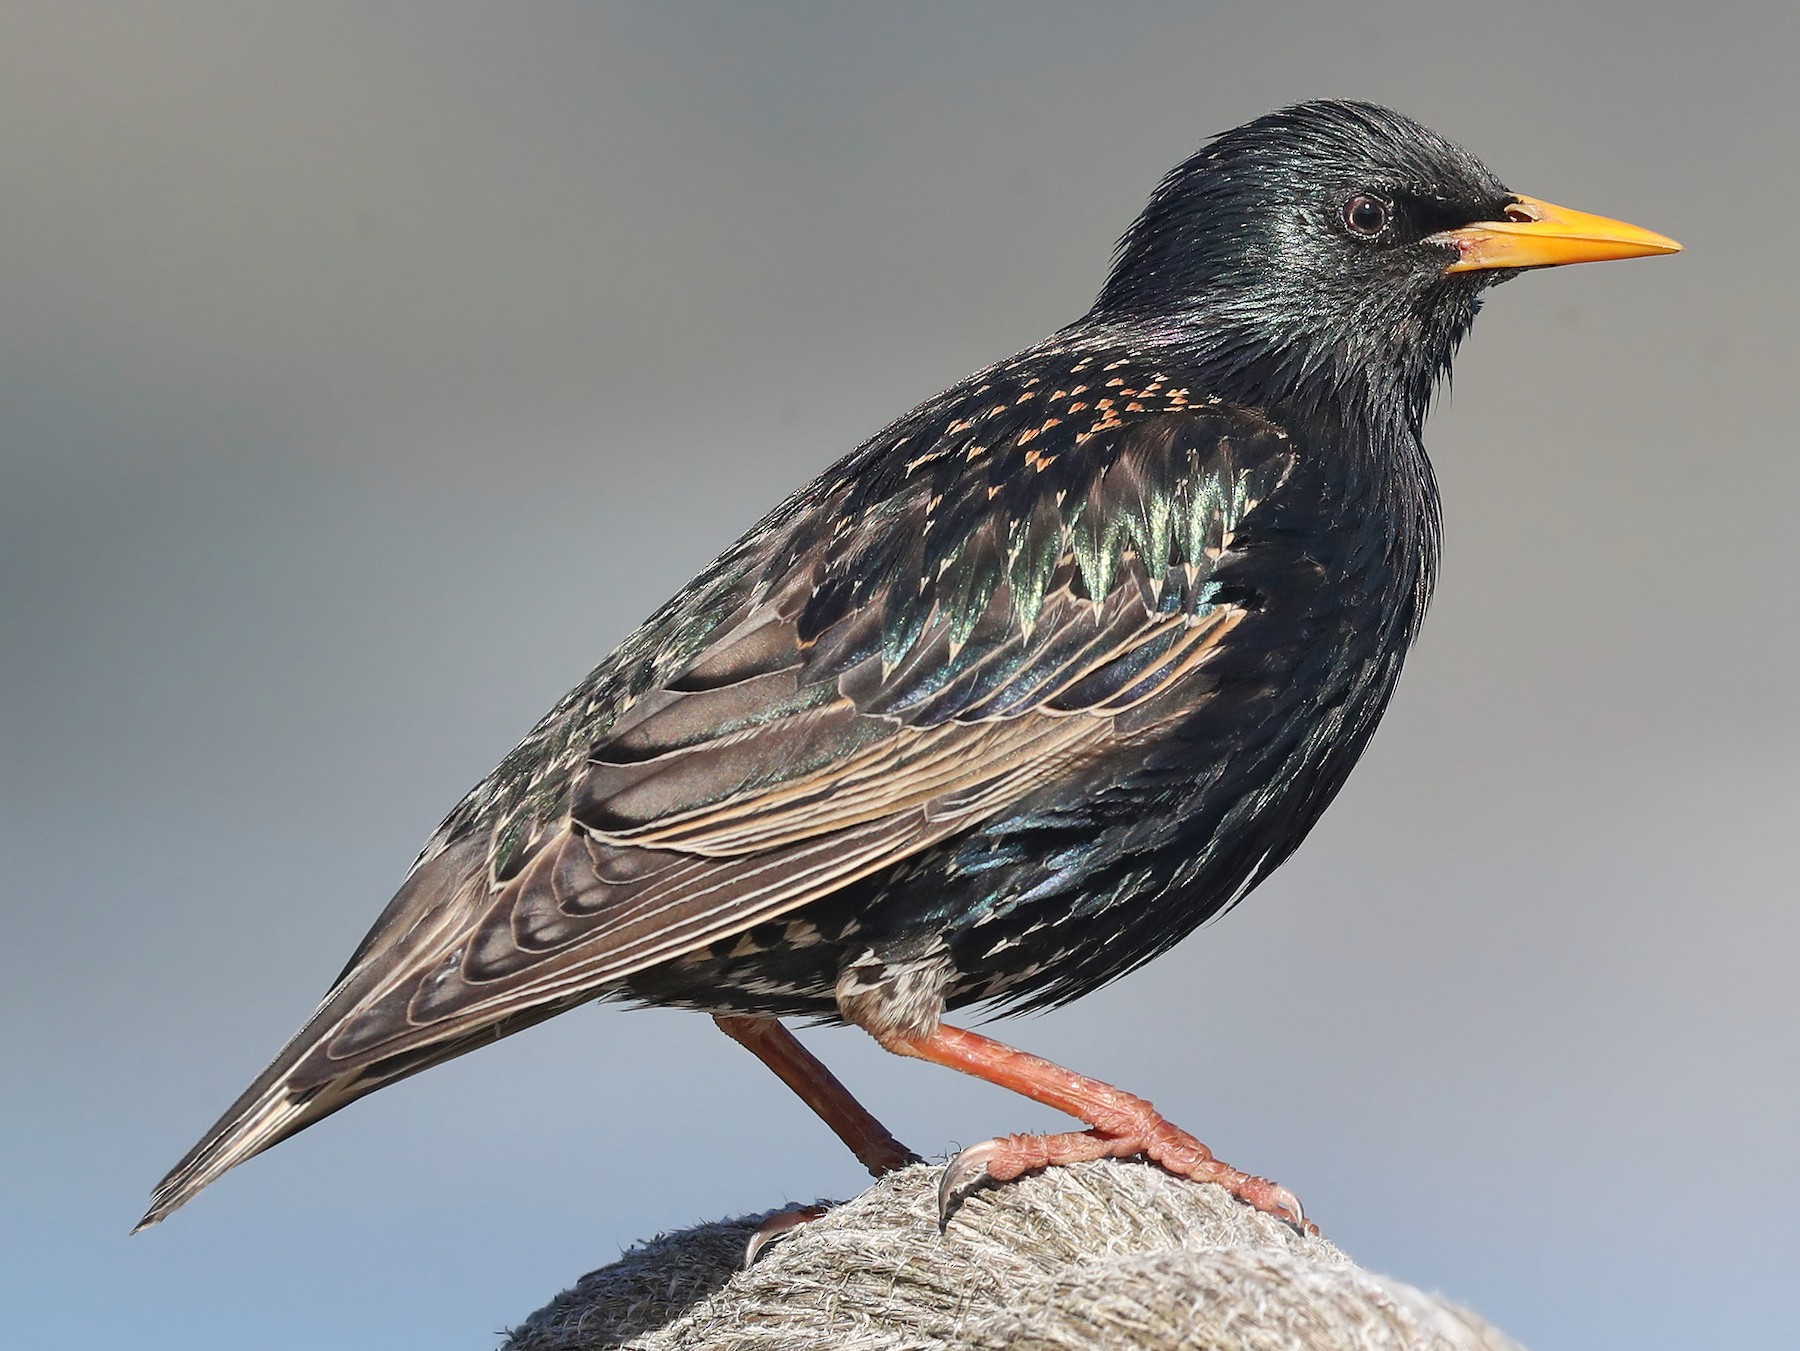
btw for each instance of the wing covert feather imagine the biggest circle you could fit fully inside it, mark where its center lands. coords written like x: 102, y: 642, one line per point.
x: 937, y: 655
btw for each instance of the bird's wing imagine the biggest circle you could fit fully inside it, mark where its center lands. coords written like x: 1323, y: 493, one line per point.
x: 913, y: 645
x: 850, y: 716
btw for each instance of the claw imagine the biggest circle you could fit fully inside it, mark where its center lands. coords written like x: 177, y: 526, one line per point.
x: 776, y: 1227
x: 962, y: 1175
x: 1291, y: 1204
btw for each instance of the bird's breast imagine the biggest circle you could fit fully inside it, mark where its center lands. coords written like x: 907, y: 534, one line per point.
x: 1093, y: 879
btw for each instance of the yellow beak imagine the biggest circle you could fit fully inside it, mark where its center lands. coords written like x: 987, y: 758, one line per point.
x: 1537, y: 234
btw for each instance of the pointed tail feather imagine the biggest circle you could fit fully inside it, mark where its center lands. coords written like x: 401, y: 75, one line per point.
x: 265, y: 1115
x: 291, y: 1094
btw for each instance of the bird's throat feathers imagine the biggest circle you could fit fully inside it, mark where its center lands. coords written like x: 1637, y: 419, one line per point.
x: 1365, y: 381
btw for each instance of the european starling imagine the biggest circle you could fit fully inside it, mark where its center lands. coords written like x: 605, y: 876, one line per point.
x: 1008, y: 700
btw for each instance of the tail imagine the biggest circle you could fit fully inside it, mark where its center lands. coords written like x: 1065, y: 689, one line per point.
x: 266, y: 1114
x: 293, y: 1092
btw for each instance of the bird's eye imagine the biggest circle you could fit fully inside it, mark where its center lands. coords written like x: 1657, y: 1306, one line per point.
x: 1366, y: 216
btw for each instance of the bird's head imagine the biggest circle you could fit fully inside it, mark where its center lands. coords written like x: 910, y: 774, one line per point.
x: 1333, y: 254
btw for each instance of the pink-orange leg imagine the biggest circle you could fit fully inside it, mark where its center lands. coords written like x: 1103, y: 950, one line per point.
x: 819, y: 1089
x: 1122, y: 1125
x: 875, y: 1148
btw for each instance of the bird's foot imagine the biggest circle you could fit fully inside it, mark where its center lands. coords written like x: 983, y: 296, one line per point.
x: 778, y: 1226
x: 1120, y: 1125
x: 1155, y: 1138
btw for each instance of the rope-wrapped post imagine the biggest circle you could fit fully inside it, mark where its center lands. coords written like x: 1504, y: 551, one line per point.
x: 1097, y: 1255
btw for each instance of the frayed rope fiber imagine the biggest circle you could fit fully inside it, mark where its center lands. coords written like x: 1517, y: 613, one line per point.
x: 1097, y: 1255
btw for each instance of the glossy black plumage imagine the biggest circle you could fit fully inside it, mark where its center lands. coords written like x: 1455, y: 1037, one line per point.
x: 1011, y: 698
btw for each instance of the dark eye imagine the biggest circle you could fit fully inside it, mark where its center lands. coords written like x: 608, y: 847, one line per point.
x: 1366, y: 216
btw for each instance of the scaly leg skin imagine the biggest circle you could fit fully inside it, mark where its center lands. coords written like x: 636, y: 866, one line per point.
x: 875, y: 1148
x: 1122, y: 1126
x: 819, y: 1089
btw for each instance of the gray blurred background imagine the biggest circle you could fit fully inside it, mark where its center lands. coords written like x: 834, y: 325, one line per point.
x: 367, y: 371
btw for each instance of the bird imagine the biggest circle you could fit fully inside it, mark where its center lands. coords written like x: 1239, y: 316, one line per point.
x: 1008, y: 700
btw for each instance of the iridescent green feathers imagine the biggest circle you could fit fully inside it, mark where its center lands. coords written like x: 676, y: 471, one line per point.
x: 962, y: 522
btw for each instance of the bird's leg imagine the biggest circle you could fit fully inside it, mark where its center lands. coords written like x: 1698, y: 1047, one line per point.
x: 1122, y: 1125
x: 819, y: 1089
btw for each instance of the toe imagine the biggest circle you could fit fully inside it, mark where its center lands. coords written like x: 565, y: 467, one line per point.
x: 1274, y: 1199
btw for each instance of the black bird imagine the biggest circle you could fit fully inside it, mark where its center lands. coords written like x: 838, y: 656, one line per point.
x: 1008, y: 700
